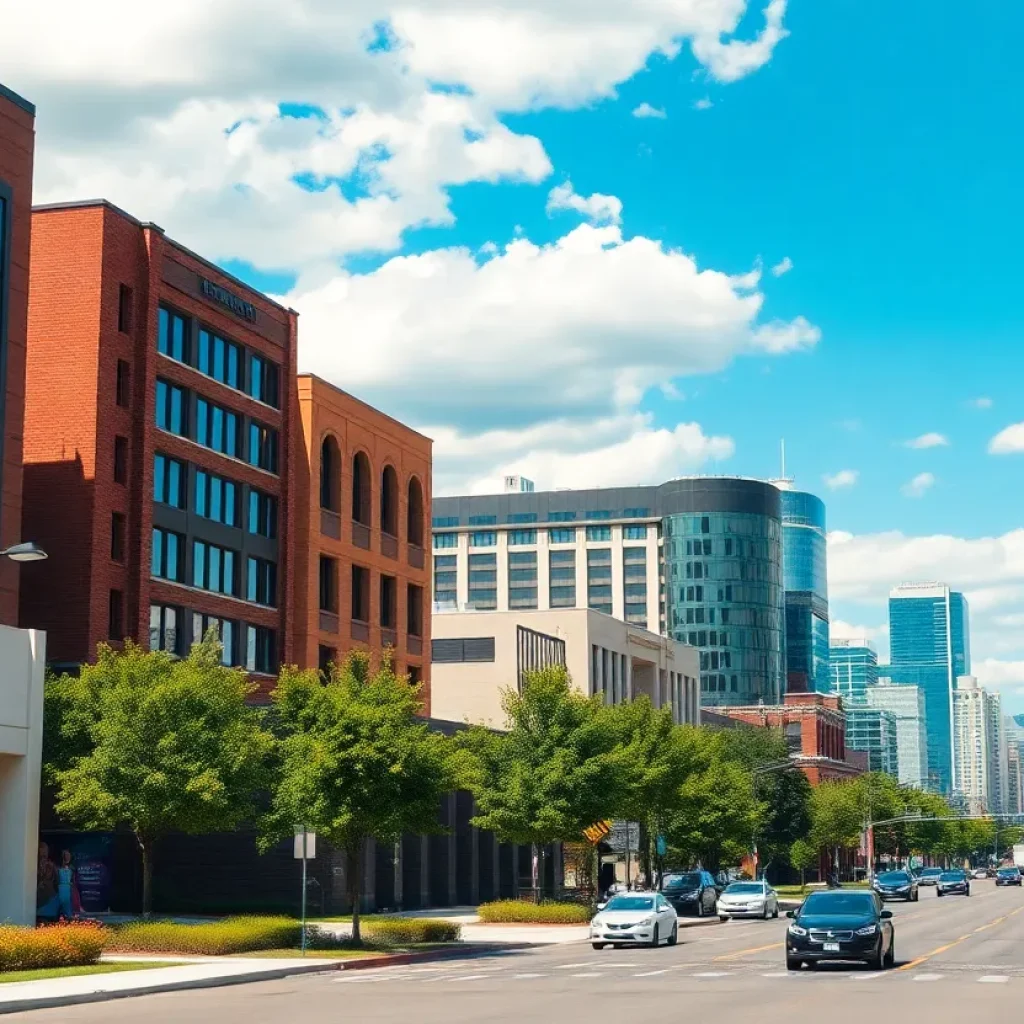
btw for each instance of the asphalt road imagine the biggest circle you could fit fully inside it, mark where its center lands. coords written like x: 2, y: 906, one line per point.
x: 957, y: 958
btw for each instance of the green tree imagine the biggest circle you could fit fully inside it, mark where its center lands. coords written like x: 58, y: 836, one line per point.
x: 157, y: 744
x: 837, y: 816
x: 558, y: 768
x: 803, y: 854
x: 356, y: 762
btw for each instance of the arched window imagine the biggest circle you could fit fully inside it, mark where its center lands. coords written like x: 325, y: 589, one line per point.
x: 330, y: 475
x: 361, y: 503
x: 414, y: 514
x: 389, y: 501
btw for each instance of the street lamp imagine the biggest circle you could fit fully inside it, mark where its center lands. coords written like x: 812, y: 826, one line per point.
x: 27, y: 551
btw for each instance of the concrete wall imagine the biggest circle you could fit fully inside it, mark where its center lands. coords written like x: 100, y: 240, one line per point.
x: 22, y: 659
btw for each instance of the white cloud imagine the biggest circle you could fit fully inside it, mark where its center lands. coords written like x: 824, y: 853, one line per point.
x: 704, y: 103
x: 918, y: 486
x: 731, y: 60
x: 784, y: 266
x: 596, y: 208
x: 983, y: 402
x: 1009, y: 441
x: 930, y: 440
x: 844, y: 478
x: 995, y: 674
x: 646, y: 110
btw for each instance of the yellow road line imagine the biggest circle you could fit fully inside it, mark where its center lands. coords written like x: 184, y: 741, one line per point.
x: 747, y: 952
x: 956, y: 942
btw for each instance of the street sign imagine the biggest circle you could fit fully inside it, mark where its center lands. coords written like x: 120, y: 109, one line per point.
x: 661, y: 846
x: 309, y: 853
x: 625, y: 835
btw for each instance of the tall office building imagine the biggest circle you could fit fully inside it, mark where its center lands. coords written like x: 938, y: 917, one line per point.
x: 874, y: 732
x: 1014, y: 800
x: 853, y: 669
x: 906, y: 704
x: 977, y: 744
x: 697, y: 559
x: 930, y: 647
x: 805, y: 581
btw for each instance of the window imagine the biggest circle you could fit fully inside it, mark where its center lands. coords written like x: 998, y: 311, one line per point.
x: 125, y: 309
x: 225, y: 631
x: 457, y: 651
x: 563, y: 558
x: 215, y: 568
x: 446, y: 540
x: 261, y: 649
x: 264, y: 381
x: 216, y: 498
x: 561, y: 517
x: 172, y: 408
x: 218, y: 429
x: 522, y: 517
x: 361, y: 501
x: 414, y: 513
x: 563, y: 596
x: 414, y: 610
x: 124, y: 383
x: 634, y: 533
x: 602, y: 514
x: 115, y: 615
x: 219, y: 359
x: 636, y: 513
x: 167, y: 555
x: 168, y: 481
x: 328, y: 584
x: 518, y: 537
x: 388, y: 602
x: 326, y: 657
x: 389, y: 501
x: 444, y: 521
x: 262, y: 514
x: 261, y: 582
x: 483, y: 520
x: 330, y: 474
x: 117, y: 536
x: 172, y: 335
x: 120, y: 460
x: 562, y: 536
x: 483, y: 599
x: 360, y: 593
x: 522, y: 558
x: 483, y: 539
x: 163, y: 628
x: 446, y: 561
x: 599, y: 533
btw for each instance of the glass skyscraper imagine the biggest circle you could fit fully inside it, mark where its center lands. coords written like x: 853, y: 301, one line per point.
x: 907, y: 705
x: 873, y: 731
x: 929, y: 640
x: 805, y: 580
x: 853, y: 667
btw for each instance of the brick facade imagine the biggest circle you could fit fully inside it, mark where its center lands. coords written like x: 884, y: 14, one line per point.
x: 17, y: 143
x: 389, y: 544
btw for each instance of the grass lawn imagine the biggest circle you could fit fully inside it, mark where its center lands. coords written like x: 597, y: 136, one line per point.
x: 795, y: 892
x: 6, y: 977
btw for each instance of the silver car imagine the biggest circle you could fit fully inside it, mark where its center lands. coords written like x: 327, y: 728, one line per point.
x: 748, y: 899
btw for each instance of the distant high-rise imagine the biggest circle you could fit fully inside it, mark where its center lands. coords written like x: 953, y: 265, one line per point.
x: 906, y: 703
x: 805, y: 578
x: 978, y: 747
x: 853, y: 667
x: 930, y: 647
x: 874, y: 731
x: 1014, y: 800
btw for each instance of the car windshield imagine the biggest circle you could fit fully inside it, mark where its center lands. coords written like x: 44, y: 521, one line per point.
x: 689, y: 880
x: 630, y: 903
x: 1008, y: 872
x: 952, y: 876
x: 932, y: 871
x: 894, y: 878
x: 829, y: 903
x: 744, y: 887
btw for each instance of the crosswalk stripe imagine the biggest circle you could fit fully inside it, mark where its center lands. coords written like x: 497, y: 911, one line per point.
x: 994, y: 979
x: 586, y: 974
x: 928, y: 977
x: 650, y: 974
x: 470, y: 977
x: 527, y: 976
x: 866, y: 977
x: 712, y: 974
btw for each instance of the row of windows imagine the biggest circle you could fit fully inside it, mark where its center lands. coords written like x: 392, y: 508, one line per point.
x: 514, y: 518
x: 174, y: 629
x: 519, y: 538
x: 360, y: 597
x: 214, y: 497
x: 219, y: 358
x: 216, y: 428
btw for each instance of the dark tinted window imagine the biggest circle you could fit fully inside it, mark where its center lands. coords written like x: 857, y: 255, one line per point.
x: 894, y: 878
x: 838, y: 903
x: 1008, y: 872
x: 952, y: 876
x: 690, y: 880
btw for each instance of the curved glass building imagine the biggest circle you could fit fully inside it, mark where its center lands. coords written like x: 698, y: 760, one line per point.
x: 805, y: 577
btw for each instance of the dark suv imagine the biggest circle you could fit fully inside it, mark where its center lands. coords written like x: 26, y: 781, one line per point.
x: 1008, y: 876
x: 841, y: 926
x: 691, y: 892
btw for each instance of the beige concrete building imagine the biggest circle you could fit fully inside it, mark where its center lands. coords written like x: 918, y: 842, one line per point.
x: 477, y: 655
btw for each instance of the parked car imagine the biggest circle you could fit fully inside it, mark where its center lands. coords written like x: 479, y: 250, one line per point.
x: 841, y: 926
x: 896, y: 885
x: 929, y: 876
x: 1009, y: 876
x: 748, y: 899
x: 635, y: 919
x: 980, y: 873
x: 954, y: 883
x: 691, y: 892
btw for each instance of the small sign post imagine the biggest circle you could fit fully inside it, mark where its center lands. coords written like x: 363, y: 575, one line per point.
x: 305, y: 847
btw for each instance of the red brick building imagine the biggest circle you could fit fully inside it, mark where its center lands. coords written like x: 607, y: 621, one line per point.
x: 159, y: 473
x: 814, y: 725
x: 17, y: 144
x: 365, y: 483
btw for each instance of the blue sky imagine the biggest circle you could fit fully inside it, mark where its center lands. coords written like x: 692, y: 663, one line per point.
x: 871, y: 146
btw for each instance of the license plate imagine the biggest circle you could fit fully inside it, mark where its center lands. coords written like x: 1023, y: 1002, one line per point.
x: 831, y: 947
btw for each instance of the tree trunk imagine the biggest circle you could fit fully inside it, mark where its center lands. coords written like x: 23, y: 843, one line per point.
x: 354, y: 878
x: 644, y: 842
x: 146, y: 846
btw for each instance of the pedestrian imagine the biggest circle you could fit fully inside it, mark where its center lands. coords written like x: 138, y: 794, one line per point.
x: 47, y: 901
x: 67, y: 887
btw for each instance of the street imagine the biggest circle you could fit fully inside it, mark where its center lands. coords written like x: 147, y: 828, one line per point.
x: 955, y: 956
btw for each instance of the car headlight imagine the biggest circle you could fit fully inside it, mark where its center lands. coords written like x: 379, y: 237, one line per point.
x: 868, y: 930
x: 645, y: 923
x: 598, y: 922
x: 795, y: 929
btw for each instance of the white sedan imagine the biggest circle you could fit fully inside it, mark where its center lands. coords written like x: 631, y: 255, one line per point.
x: 748, y: 899
x: 635, y: 919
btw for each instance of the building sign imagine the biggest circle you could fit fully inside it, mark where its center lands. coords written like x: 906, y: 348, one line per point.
x: 214, y: 292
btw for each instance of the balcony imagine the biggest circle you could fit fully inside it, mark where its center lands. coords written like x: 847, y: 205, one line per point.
x: 414, y: 645
x: 360, y: 535
x: 328, y: 621
x: 388, y: 545
x: 416, y: 556
x: 330, y: 524
x: 360, y: 631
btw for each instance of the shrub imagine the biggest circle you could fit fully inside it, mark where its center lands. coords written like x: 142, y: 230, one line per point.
x: 521, y: 912
x: 211, y: 938
x: 59, y: 945
x: 407, y: 931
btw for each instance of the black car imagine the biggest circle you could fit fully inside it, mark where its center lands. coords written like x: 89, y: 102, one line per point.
x: 954, y: 883
x: 896, y: 885
x: 841, y: 926
x: 691, y: 892
x: 1008, y: 876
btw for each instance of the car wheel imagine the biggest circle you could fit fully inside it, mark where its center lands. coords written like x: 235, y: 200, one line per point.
x: 940, y: 894
x: 598, y: 945
x: 655, y: 938
x: 793, y: 964
x: 764, y: 913
x: 700, y: 907
x: 674, y: 937
x: 917, y: 896
x: 723, y: 918
x: 775, y: 913
x: 877, y: 962
x: 890, y: 960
